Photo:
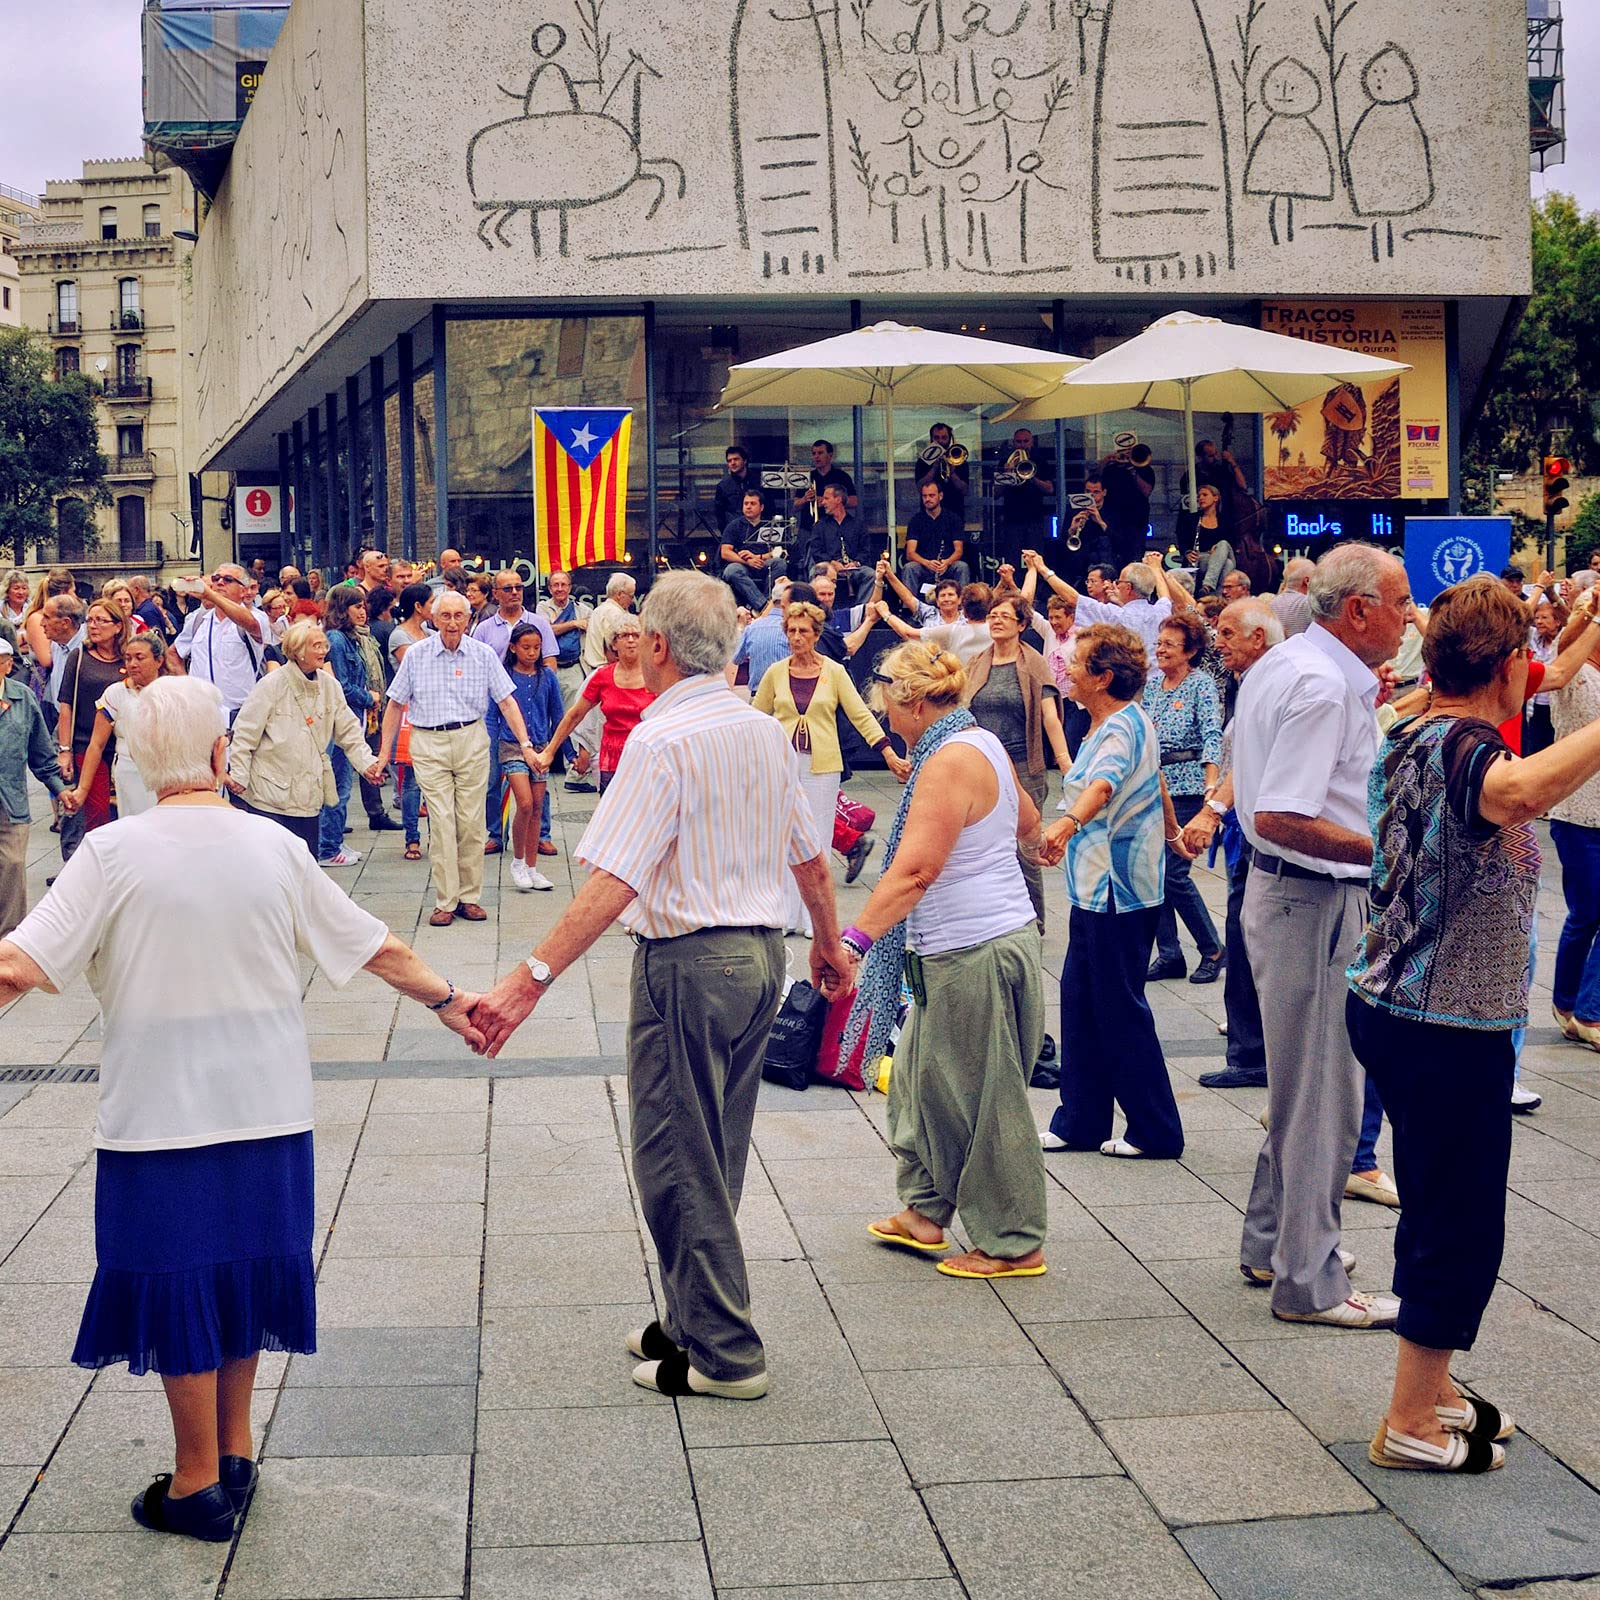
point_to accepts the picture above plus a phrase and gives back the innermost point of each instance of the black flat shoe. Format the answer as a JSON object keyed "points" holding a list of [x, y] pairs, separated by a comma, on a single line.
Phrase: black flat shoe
{"points": [[239, 1478], [1209, 968], [1045, 1075], [1230, 1079], [380, 823], [1047, 1051], [207, 1514], [1160, 970]]}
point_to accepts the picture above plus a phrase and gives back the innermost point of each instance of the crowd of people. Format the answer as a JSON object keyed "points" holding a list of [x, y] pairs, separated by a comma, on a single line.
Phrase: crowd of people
{"points": [[1369, 769]]}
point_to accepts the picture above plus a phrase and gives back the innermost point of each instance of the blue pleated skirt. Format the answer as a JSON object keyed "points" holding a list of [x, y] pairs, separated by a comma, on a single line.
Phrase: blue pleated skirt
{"points": [[202, 1256]]}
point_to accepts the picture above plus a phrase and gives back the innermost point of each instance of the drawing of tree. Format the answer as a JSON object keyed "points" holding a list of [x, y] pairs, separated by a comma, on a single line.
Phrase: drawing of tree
{"points": [[597, 42], [1244, 67], [862, 163], [1334, 15], [1281, 424]]}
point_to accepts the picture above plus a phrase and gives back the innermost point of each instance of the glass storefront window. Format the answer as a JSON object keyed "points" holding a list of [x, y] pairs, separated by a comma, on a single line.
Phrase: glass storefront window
{"points": [[498, 369]]}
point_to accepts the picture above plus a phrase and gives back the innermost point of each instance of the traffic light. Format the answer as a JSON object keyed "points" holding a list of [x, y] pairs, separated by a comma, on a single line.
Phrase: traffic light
{"points": [[1557, 480]]}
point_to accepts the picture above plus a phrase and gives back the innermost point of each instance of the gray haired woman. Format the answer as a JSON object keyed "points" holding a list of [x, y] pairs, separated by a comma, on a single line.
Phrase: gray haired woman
{"points": [[203, 1158]]}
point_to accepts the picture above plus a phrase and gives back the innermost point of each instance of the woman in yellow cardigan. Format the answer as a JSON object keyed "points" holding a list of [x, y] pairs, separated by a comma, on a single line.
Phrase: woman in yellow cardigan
{"points": [[805, 693]]}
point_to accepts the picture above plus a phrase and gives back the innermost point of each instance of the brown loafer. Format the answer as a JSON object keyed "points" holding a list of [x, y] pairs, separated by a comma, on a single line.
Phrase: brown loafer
{"points": [[441, 919], [547, 848], [471, 913], [491, 847]]}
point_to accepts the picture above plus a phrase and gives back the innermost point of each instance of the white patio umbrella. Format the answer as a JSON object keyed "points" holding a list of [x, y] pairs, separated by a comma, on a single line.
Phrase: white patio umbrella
{"points": [[1189, 363], [889, 364]]}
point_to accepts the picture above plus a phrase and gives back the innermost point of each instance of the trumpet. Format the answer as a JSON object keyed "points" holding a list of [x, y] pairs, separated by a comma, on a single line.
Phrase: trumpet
{"points": [[1017, 470], [1082, 505], [1122, 446], [954, 455]]}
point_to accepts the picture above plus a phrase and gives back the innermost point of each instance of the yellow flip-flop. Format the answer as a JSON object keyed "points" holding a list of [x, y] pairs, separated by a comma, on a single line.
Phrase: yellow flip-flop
{"points": [[950, 1270], [905, 1241]]}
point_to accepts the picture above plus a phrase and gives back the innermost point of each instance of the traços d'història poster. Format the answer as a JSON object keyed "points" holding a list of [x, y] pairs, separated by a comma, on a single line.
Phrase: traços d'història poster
{"points": [[1387, 441]]}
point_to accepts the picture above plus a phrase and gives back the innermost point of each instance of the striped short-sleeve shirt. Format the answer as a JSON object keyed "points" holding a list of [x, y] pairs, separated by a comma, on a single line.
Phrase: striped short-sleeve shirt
{"points": [[703, 817]]}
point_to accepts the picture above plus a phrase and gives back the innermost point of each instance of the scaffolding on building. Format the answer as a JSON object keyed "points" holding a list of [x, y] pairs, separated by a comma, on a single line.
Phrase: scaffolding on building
{"points": [[1547, 101]]}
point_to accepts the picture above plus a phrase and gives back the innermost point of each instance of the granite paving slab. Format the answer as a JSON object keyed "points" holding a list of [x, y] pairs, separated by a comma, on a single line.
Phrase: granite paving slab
{"points": [[941, 1322], [1531, 1519], [387, 1358], [557, 1356], [1089, 1280], [398, 1292], [527, 1269], [431, 1419], [592, 1572], [408, 1230], [129, 1565]]}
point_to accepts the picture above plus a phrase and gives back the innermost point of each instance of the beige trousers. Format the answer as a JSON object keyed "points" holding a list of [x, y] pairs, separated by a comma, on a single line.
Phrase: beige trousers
{"points": [[13, 874], [452, 770]]}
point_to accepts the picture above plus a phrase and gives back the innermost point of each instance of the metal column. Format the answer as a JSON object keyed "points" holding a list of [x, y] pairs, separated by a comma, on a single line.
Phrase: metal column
{"points": [[330, 407], [380, 454], [352, 477], [284, 480], [441, 436], [405, 393], [315, 482], [302, 500], [650, 433]]}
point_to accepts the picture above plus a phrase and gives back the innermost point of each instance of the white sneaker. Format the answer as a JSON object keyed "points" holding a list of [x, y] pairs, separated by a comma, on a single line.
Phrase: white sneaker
{"points": [[537, 880], [1524, 1100], [345, 858], [1380, 1190], [1357, 1310], [648, 1376], [519, 874]]}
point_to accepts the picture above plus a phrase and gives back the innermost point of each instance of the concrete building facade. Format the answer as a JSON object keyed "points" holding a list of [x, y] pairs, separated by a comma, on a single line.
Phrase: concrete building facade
{"points": [[17, 210], [607, 206], [104, 280]]}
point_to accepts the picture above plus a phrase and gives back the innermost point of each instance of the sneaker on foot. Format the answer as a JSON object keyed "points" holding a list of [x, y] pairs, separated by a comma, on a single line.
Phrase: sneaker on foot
{"points": [[1051, 1141], [537, 880], [856, 857], [1357, 1310], [1524, 1100], [1380, 1190], [345, 858], [1262, 1276], [519, 874]]}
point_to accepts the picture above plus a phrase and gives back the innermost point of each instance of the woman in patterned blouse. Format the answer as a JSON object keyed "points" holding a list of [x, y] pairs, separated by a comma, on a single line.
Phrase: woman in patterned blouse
{"points": [[1182, 705], [1438, 984]]}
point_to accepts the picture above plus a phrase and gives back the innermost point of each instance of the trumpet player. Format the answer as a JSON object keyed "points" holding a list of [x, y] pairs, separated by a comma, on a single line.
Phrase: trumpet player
{"points": [[934, 542], [808, 505], [752, 560], [944, 462], [1027, 499]]}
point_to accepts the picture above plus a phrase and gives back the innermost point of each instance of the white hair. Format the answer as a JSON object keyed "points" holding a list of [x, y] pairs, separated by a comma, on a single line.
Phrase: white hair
{"points": [[695, 615], [171, 732], [1182, 578], [1140, 578], [1346, 572], [1296, 571], [449, 600], [1257, 616], [1586, 579], [617, 582]]}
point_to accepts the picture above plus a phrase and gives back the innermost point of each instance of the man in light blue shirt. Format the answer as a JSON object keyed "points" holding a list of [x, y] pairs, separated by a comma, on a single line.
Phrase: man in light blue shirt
{"points": [[763, 644], [64, 628]]}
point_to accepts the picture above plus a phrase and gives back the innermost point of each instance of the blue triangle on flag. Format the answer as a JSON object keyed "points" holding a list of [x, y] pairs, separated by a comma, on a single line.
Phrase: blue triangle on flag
{"points": [[582, 431]]}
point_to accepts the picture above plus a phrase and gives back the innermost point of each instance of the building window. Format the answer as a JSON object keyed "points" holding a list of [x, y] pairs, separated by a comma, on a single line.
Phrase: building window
{"points": [[130, 439], [108, 222], [130, 528], [127, 364], [152, 222], [128, 302], [67, 360], [5, 297], [66, 308]]}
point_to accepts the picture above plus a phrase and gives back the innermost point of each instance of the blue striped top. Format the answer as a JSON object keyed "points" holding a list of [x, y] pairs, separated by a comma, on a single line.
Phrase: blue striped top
{"points": [[1118, 862]]}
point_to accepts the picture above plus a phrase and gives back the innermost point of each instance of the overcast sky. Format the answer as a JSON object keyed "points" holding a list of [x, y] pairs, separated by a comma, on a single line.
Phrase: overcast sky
{"points": [[69, 90]]}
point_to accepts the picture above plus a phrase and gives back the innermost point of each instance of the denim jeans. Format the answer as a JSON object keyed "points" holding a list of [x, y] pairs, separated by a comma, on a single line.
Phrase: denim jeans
{"points": [[1576, 985], [410, 802], [330, 832], [491, 804], [1183, 898], [1371, 1126]]}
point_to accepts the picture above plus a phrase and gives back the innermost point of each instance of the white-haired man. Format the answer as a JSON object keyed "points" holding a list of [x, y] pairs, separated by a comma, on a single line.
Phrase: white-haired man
{"points": [[447, 681], [1305, 737], [1290, 603], [604, 621], [1141, 600], [223, 638], [690, 847], [1246, 630]]}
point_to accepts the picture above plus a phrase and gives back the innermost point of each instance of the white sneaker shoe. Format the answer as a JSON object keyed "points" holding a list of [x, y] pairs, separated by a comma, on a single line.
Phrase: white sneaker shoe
{"points": [[345, 858], [679, 1378], [1357, 1310], [1524, 1100], [537, 880], [519, 874]]}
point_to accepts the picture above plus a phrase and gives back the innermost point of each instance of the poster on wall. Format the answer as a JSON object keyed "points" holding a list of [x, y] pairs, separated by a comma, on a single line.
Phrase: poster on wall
{"points": [[1442, 551], [1384, 441], [255, 509]]}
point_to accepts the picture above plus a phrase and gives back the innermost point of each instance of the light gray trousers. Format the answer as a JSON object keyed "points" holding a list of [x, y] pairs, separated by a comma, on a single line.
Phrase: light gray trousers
{"points": [[1301, 934], [701, 1008]]}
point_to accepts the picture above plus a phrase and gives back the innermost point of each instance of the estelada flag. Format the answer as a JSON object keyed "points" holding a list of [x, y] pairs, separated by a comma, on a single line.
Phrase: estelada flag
{"points": [[580, 485]]}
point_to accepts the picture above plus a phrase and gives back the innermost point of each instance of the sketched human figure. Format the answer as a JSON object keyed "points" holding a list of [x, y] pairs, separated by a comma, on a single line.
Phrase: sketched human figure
{"points": [[1289, 159], [1388, 160], [550, 88]]}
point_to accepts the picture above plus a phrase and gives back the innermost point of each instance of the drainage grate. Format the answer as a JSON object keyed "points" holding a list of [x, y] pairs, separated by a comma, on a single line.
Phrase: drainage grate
{"points": [[50, 1075]]}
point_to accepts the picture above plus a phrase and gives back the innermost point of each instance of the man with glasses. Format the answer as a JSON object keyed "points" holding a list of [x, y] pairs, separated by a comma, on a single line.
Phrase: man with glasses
{"points": [[495, 631], [222, 641]]}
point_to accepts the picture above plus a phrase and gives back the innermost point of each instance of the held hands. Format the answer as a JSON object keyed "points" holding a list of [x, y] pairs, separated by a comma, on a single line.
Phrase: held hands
{"points": [[373, 774], [1008, 573], [898, 765], [883, 567], [497, 1015], [1179, 845], [71, 800], [541, 761], [1387, 679], [235, 787], [1053, 842], [833, 969], [1197, 835], [458, 1018]]}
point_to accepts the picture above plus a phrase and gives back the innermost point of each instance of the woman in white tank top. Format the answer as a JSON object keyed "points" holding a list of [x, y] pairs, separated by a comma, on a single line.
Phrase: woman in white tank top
{"points": [[953, 912]]}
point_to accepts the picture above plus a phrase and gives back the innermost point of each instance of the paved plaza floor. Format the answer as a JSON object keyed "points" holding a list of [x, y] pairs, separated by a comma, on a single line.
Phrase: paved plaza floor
{"points": [[1135, 1424]]}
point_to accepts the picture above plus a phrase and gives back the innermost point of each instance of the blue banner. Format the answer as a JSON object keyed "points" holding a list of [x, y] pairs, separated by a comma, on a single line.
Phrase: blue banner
{"points": [[1441, 551]]}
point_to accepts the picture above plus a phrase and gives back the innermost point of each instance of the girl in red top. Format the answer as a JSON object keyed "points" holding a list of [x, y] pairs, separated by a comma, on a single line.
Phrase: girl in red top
{"points": [[618, 689]]}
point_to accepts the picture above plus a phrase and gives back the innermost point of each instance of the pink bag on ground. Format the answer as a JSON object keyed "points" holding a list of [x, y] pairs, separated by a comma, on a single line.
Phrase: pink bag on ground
{"points": [[851, 820], [844, 1074]]}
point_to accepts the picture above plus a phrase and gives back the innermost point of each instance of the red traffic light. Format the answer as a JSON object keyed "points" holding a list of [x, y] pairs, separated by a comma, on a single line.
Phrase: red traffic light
{"points": [[1557, 467]]}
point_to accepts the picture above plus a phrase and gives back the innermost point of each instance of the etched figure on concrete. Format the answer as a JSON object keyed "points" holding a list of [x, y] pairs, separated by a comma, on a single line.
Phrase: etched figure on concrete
{"points": [[1389, 162], [1289, 158]]}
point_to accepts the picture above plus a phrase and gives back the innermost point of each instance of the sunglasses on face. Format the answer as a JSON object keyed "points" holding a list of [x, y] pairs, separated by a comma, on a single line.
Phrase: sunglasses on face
{"points": [[226, 577]]}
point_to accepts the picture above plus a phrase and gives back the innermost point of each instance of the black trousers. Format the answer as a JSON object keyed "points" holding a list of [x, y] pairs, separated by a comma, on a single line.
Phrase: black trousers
{"points": [[305, 829], [1448, 1095], [1109, 1048], [1247, 1050]]}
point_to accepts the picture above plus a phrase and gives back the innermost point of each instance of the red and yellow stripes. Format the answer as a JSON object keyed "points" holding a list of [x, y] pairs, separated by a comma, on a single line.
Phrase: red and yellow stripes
{"points": [[579, 512]]}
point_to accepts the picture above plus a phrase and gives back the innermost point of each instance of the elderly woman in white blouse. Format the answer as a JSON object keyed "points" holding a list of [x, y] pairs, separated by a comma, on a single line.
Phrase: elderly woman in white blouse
{"points": [[203, 1165]]}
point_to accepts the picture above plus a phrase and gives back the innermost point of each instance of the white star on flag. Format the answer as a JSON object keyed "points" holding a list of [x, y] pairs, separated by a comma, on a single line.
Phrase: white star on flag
{"points": [[583, 439]]}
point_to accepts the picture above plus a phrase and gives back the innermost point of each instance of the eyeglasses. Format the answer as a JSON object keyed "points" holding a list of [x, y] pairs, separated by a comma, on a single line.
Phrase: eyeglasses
{"points": [[226, 577]]}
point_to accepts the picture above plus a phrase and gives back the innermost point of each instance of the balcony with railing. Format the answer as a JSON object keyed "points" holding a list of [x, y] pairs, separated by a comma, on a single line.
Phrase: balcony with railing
{"points": [[88, 553], [63, 327], [140, 464], [127, 322], [126, 388]]}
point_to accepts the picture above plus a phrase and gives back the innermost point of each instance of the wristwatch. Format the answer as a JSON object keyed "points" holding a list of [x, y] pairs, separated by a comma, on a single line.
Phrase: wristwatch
{"points": [[541, 973], [1217, 806]]}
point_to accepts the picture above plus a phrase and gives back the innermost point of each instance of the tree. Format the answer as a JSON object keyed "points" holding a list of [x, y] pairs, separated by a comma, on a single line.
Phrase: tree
{"points": [[49, 442], [1584, 534], [1553, 364]]}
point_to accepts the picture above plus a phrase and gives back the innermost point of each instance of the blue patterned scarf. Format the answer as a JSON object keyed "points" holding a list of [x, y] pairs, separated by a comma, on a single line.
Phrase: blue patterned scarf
{"points": [[877, 1001]]}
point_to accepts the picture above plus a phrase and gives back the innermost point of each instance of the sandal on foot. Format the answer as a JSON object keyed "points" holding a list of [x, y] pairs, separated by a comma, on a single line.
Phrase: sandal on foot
{"points": [[651, 1344], [904, 1240], [1477, 1419], [1002, 1269], [675, 1376], [239, 1477], [207, 1514], [1461, 1452], [413, 852]]}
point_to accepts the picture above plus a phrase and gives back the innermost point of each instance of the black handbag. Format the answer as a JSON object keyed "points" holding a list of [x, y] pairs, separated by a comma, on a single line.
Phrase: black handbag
{"points": [[795, 1038]]}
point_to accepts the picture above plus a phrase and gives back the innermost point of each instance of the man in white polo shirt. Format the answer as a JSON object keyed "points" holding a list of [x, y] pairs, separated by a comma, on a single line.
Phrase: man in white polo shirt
{"points": [[222, 641]]}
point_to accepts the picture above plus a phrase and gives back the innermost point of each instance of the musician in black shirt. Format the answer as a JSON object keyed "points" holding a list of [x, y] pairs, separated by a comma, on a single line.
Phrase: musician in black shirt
{"points": [[1025, 507], [952, 480], [753, 561], [934, 546], [742, 479], [1129, 483], [842, 543], [808, 503]]}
